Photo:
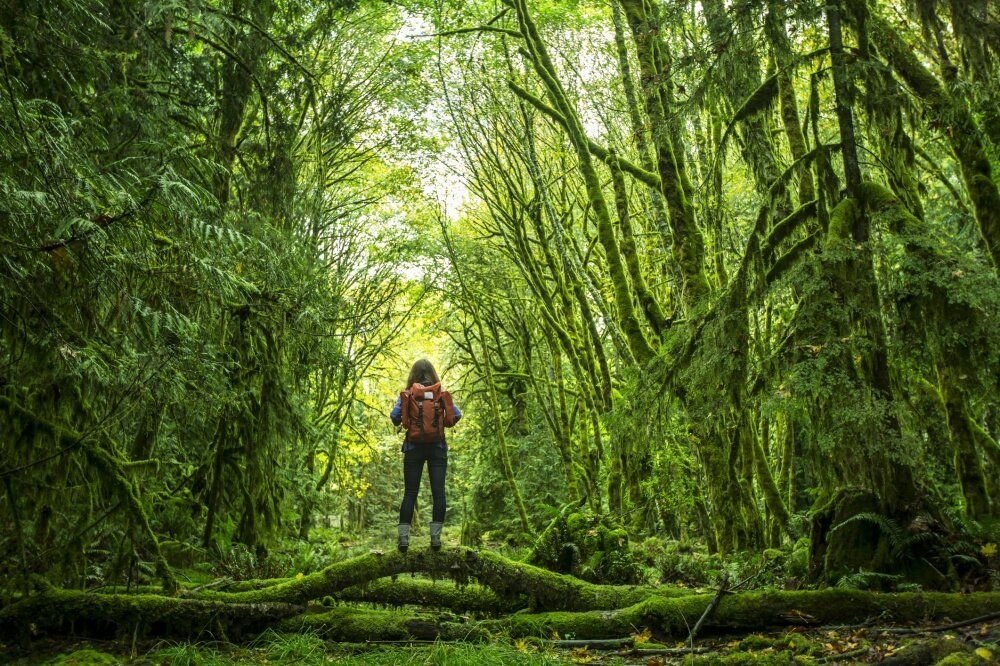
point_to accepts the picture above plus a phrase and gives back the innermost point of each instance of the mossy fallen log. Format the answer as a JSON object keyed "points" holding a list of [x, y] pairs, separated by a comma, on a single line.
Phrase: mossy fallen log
{"points": [[60, 611], [508, 578], [751, 611], [666, 617], [360, 625], [405, 591], [55, 611], [570, 607]]}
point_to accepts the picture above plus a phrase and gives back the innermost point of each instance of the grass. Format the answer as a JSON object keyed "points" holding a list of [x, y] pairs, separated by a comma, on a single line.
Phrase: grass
{"points": [[308, 649]]}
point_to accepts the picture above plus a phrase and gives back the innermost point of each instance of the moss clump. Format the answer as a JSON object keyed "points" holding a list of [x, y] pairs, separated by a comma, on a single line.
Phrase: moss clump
{"points": [[358, 625], [936, 651], [790, 642], [797, 565], [405, 591], [961, 659], [688, 566], [86, 657], [766, 659], [592, 547]]}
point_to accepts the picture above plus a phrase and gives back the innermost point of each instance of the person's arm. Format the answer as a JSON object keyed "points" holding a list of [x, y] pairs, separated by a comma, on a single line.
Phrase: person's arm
{"points": [[396, 415]]}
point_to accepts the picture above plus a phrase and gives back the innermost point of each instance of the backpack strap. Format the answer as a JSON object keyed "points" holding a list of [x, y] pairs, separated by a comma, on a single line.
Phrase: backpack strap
{"points": [[404, 401], [449, 409]]}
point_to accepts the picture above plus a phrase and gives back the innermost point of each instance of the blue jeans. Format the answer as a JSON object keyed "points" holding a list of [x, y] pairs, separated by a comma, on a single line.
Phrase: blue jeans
{"points": [[436, 457]]}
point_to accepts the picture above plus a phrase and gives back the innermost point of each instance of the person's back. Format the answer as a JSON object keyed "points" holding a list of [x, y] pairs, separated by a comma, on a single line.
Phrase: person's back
{"points": [[424, 409]]}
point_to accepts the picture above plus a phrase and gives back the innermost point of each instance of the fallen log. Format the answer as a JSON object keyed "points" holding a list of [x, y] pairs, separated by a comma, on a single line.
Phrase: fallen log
{"points": [[586, 611], [405, 591], [364, 625], [593, 644], [393, 592], [55, 611], [671, 617], [508, 578], [666, 617]]}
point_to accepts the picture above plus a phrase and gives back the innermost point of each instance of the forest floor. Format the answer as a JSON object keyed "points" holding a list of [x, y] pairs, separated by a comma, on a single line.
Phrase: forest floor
{"points": [[813, 646], [409, 612]]}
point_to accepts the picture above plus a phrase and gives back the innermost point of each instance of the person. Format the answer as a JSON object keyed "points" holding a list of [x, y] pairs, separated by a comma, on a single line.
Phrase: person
{"points": [[415, 453]]}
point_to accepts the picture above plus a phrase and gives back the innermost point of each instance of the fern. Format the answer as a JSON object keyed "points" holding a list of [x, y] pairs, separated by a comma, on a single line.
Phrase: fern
{"points": [[867, 580]]}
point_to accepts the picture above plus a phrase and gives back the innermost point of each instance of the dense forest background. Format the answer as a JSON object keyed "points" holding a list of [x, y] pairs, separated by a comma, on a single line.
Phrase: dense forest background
{"points": [[715, 284]]}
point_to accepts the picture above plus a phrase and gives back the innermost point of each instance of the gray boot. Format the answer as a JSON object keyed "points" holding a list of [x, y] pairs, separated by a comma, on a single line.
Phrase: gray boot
{"points": [[403, 540], [436, 535]]}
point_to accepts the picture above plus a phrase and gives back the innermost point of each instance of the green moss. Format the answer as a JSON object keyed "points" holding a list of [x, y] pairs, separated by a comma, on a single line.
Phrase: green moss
{"points": [[86, 657], [961, 659], [674, 616], [757, 642], [360, 625], [841, 222], [406, 591], [779, 658], [797, 565], [584, 544], [791, 642]]}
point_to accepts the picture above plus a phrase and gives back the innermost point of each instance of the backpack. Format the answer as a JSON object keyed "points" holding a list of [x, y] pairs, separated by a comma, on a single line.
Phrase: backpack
{"points": [[427, 411]]}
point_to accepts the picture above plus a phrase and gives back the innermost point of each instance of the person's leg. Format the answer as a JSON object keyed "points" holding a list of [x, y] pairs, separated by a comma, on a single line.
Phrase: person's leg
{"points": [[413, 468], [437, 469]]}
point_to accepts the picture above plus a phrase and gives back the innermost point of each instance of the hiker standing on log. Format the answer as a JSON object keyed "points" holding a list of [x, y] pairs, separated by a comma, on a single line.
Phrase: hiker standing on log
{"points": [[424, 410]]}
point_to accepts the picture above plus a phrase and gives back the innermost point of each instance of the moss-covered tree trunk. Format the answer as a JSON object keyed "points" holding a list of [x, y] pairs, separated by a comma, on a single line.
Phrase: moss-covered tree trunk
{"points": [[654, 67], [963, 132], [621, 285]]}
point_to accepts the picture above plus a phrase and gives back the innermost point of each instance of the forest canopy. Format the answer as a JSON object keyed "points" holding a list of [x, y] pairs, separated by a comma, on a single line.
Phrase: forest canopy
{"points": [[710, 277]]}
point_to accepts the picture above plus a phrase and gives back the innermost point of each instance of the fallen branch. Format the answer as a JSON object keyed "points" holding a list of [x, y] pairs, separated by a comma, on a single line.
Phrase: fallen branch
{"points": [[665, 652], [943, 627], [594, 643], [723, 586]]}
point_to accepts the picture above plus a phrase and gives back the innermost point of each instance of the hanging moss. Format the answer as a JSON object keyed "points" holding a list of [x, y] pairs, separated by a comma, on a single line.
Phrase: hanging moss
{"points": [[759, 101], [107, 462]]}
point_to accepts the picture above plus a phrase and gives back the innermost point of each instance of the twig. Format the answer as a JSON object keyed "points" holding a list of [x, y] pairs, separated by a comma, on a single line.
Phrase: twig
{"points": [[943, 627], [215, 583], [723, 586], [478, 28], [851, 654], [665, 652], [599, 643], [748, 580], [414, 641]]}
